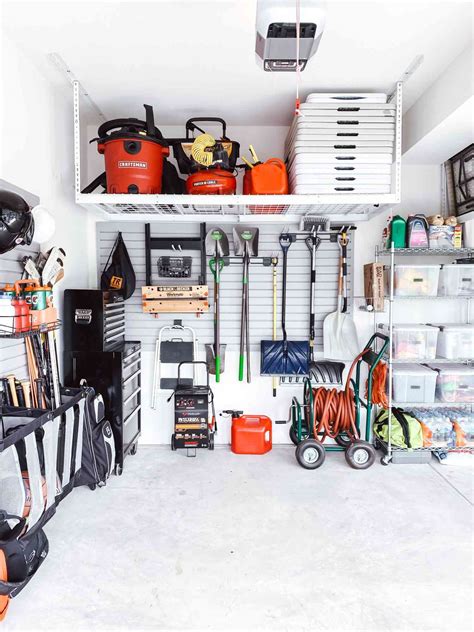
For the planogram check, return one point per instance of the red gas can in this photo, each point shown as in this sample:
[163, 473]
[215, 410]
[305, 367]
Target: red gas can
[251, 434]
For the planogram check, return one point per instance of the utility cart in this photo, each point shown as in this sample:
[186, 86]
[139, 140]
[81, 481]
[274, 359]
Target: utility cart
[194, 416]
[306, 432]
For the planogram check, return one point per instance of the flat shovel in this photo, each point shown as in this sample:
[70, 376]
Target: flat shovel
[217, 246]
[339, 331]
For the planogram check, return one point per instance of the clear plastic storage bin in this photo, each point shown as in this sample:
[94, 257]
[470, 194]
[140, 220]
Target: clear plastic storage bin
[456, 342]
[413, 342]
[438, 430]
[455, 383]
[416, 280]
[414, 384]
[456, 279]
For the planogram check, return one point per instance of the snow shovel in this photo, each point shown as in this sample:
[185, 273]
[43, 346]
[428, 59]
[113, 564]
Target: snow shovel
[246, 246]
[217, 245]
[339, 331]
[284, 357]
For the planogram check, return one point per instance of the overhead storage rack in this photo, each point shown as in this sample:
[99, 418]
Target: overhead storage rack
[285, 209]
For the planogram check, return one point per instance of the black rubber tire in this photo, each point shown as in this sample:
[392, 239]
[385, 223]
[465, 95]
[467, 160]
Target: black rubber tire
[384, 460]
[134, 449]
[293, 437]
[173, 445]
[211, 442]
[118, 470]
[360, 455]
[310, 454]
[92, 486]
[343, 441]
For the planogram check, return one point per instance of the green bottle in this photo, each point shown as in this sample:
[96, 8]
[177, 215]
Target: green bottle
[398, 232]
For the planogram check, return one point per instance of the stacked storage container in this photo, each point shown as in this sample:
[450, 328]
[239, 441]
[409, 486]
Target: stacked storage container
[342, 143]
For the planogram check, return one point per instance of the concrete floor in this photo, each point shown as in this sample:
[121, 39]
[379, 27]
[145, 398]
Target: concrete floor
[226, 542]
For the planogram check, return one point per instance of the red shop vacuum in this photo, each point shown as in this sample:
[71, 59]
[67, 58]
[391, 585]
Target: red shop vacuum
[134, 153]
[209, 163]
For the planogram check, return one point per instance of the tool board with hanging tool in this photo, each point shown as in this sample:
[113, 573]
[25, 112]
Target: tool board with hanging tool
[141, 327]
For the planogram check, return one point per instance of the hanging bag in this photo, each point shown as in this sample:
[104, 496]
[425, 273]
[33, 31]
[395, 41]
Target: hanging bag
[119, 276]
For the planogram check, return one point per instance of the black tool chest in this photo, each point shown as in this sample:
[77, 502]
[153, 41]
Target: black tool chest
[93, 319]
[117, 376]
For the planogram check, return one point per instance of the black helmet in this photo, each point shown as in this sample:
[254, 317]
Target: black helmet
[16, 221]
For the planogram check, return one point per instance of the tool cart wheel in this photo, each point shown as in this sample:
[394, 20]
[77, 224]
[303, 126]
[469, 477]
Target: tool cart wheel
[92, 486]
[343, 441]
[134, 449]
[173, 444]
[360, 455]
[384, 460]
[310, 454]
[118, 469]
[211, 442]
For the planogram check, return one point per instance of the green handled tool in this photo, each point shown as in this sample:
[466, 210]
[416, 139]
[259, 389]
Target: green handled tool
[217, 245]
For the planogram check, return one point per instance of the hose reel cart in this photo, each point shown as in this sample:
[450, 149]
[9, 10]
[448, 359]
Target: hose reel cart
[337, 414]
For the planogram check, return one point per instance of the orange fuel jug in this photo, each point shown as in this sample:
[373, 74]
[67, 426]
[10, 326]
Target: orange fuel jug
[251, 434]
[266, 178]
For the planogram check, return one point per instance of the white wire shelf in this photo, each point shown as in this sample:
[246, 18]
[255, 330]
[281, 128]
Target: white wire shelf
[445, 252]
[431, 361]
[429, 405]
[233, 208]
[450, 297]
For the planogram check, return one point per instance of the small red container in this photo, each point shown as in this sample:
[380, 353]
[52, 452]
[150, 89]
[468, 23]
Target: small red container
[251, 434]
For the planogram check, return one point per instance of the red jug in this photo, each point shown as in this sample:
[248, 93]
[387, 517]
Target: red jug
[251, 434]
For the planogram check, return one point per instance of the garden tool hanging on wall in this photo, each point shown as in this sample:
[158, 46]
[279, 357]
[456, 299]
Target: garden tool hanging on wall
[339, 331]
[246, 246]
[217, 246]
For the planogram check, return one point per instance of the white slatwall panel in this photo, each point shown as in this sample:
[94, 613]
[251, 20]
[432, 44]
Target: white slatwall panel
[12, 352]
[145, 327]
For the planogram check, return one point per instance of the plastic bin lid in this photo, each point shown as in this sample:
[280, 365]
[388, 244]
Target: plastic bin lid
[410, 327]
[435, 266]
[454, 327]
[453, 369]
[411, 369]
[451, 266]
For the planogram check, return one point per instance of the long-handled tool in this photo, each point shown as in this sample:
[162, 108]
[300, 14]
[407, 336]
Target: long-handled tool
[340, 334]
[284, 357]
[275, 297]
[246, 246]
[217, 245]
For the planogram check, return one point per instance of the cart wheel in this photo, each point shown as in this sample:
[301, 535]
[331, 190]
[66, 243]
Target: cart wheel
[360, 455]
[211, 442]
[293, 436]
[173, 444]
[342, 440]
[92, 486]
[310, 454]
[384, 460]
[134, 449]
[118, 469]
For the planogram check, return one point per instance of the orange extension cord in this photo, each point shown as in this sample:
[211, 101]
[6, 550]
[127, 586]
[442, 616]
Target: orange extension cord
[334, 411]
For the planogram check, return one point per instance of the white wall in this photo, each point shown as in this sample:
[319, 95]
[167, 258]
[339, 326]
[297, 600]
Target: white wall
[36, 154]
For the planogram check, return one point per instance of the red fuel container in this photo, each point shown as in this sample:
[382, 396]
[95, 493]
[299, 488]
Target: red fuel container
[251, 434]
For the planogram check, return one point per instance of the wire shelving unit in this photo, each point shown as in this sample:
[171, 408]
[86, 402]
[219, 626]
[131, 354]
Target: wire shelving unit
[392, 253]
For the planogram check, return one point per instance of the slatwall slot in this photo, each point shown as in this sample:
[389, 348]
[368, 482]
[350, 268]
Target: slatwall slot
[144, 327]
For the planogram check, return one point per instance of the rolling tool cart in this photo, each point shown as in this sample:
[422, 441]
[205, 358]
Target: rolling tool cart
[336, 414]
[192, 426]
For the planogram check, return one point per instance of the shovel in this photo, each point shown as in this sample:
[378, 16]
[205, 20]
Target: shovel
[339, 331]
[217, 245]
[246, 246]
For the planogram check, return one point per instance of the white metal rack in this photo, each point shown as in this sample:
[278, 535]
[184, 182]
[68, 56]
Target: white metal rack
[283, 209]
[392, 253]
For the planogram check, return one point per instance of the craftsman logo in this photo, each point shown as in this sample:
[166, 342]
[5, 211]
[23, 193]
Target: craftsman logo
[132, 164]
[116, 283]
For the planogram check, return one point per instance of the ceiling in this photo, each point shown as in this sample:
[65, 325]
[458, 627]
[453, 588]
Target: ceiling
[192, 58]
